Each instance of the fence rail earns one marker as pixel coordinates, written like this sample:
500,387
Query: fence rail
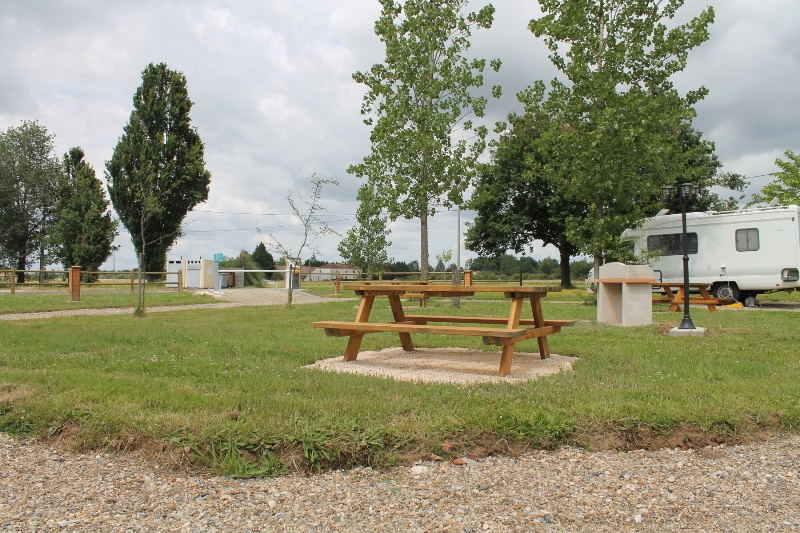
9,278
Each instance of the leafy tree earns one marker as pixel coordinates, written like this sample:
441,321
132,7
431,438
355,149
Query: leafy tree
424,145
29,175
264,259
515,201
84,231
787,185
157,174
619,120
365,245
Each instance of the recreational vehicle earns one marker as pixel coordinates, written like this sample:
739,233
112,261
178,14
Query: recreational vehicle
738,253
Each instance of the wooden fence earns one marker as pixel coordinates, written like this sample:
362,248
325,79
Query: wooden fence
8,278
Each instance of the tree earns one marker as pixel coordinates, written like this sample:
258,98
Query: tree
515,201
29,174
313,227
365,245
619,120
84,230
263,259
787,185
424,145
157,174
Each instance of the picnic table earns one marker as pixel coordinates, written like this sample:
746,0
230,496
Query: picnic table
517,328
675,299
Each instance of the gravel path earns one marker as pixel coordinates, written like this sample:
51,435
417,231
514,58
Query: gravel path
234,298
739,488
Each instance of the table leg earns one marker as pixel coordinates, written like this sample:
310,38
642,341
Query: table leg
508,350
675,306
538,320
364,309
400,316
707,297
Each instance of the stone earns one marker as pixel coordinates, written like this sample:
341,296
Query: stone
419,469
637,518
696,332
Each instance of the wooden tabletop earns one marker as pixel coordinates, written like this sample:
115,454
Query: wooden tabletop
679,284
445,290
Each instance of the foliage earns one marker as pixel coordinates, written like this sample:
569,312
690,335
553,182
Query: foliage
424,145
157,174
787,185
84,230
620,118
245,261
313,227
365,245
263,259
29,175
515,201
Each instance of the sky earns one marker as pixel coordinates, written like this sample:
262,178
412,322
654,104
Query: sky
275,102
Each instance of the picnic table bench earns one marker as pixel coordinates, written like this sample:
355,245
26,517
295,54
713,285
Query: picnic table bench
675,298
517,329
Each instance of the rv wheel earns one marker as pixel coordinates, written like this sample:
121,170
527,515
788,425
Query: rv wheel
726,291
749,300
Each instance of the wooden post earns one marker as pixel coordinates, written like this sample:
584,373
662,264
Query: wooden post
180,280
468,278
131,281
338,289
13,281
74,284
520,278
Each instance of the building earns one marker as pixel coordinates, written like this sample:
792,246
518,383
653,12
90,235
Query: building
328,272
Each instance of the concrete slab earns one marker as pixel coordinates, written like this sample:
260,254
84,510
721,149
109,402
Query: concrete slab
696,332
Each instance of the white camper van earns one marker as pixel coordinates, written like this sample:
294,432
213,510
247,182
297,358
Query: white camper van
739,253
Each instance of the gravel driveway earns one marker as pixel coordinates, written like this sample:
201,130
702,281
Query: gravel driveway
738,488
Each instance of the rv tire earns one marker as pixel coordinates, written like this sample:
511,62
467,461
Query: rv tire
727,291
749,299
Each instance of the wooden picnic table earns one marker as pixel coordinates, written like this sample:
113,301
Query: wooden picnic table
675,299
517,329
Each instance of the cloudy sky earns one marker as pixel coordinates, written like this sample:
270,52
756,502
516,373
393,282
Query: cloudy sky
275,102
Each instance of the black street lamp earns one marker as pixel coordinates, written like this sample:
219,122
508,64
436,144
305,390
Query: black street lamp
685,193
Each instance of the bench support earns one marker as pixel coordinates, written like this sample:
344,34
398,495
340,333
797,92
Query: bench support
399,316
354,343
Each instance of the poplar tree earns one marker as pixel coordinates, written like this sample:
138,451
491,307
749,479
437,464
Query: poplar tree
157,174
84,231
424,144
365,245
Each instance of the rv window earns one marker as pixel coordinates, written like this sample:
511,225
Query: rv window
671,244
747,240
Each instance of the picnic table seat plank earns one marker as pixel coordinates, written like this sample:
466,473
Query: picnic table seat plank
422,319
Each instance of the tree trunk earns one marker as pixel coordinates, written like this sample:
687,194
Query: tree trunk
598,254
141,267
423,265
566,278
41,261
20,270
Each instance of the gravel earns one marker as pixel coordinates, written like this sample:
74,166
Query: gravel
737,488
446,365
233,298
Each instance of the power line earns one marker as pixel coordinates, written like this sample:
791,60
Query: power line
251,228
271,214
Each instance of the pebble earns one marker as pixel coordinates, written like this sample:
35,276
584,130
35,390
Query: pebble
726,488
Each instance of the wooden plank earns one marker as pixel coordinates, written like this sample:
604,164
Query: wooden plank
484,320
507,357
538,317
362,315
399,316
391,327
622,280
530,333
455,290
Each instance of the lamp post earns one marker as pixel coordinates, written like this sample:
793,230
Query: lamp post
685,193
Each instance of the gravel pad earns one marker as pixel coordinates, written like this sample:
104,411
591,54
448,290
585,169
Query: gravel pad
446,365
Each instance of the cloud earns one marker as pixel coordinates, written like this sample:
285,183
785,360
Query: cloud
275,103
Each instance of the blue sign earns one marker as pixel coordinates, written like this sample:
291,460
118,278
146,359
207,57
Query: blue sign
219,258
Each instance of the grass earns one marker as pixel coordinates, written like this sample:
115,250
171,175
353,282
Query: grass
229,384
34,302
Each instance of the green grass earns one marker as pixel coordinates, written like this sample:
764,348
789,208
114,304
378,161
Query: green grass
230,384
34,302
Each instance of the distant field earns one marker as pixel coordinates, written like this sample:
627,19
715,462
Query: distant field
34,302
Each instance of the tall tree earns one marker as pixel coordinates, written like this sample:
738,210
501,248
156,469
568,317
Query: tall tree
84,230
515,201
157,174
29,174
264,259
620,117
424,143
365,245
786,186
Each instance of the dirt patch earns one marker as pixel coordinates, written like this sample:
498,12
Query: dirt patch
447,365
13,393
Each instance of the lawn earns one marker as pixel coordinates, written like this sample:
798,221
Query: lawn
34,301
230,385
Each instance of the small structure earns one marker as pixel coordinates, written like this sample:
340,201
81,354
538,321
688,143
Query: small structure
329,271
625,294
194,273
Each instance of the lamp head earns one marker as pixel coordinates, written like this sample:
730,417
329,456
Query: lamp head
669,192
